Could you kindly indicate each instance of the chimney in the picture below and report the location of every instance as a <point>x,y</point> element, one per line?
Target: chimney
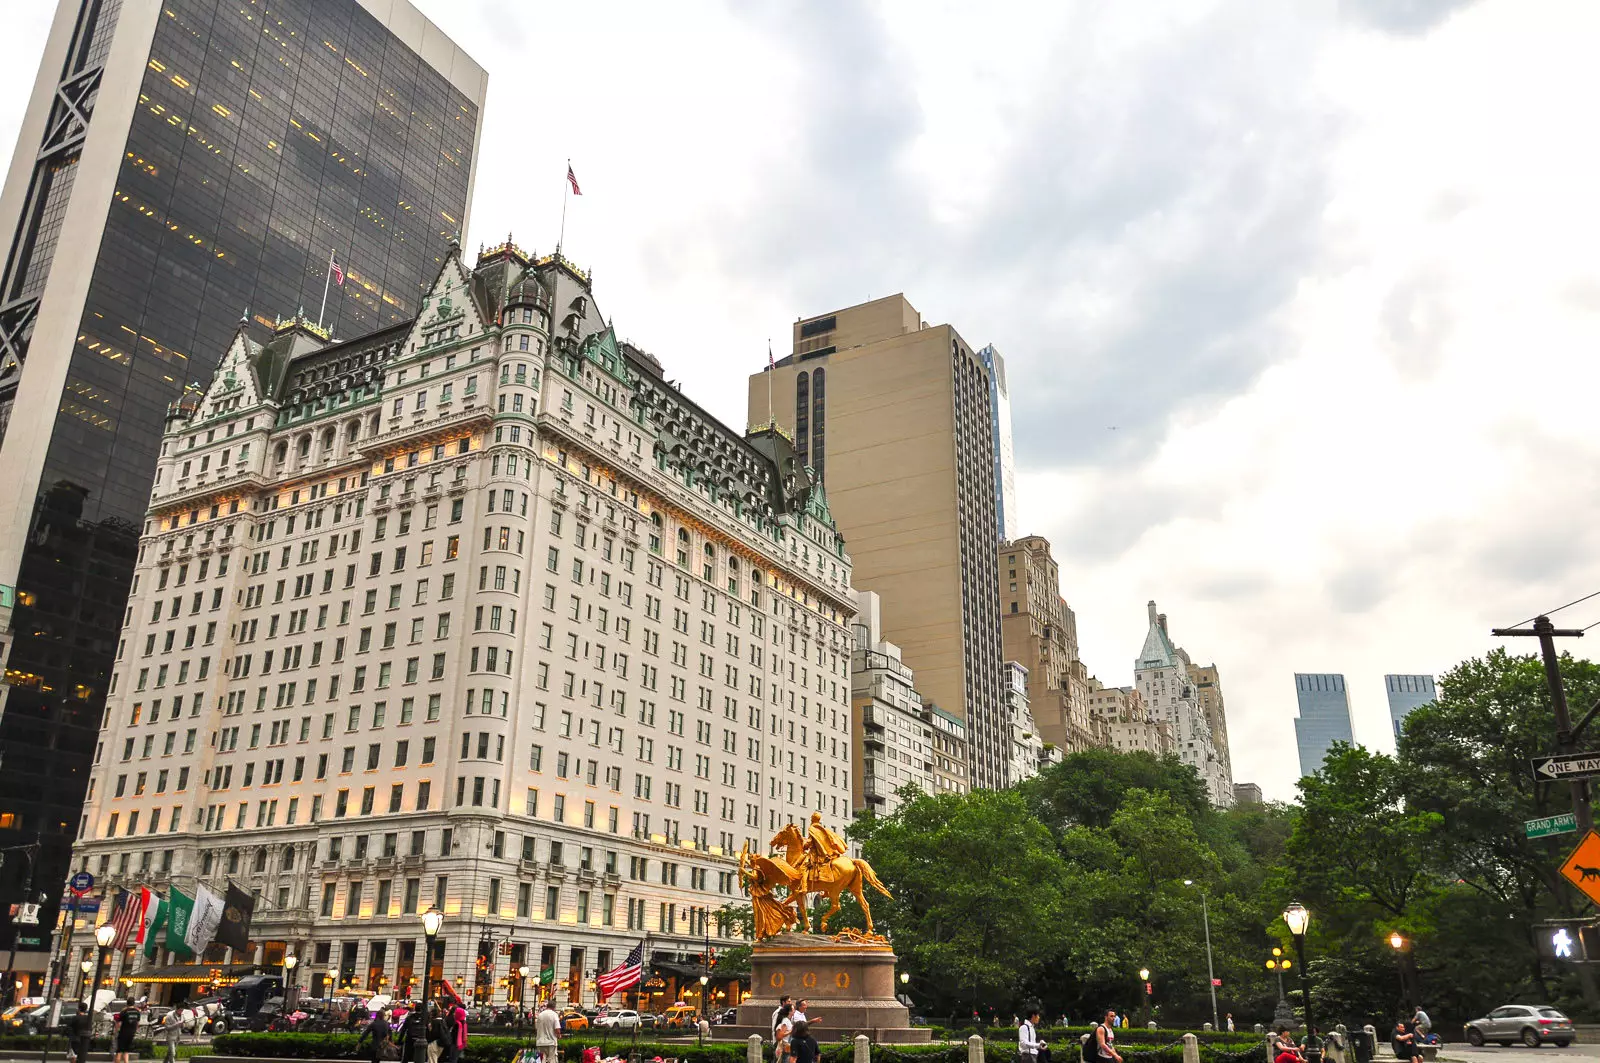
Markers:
<point>1162,620</point>
<point>1150,607</point>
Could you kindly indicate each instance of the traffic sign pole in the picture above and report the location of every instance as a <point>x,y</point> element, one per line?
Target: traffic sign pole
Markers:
<point>1546,633</point>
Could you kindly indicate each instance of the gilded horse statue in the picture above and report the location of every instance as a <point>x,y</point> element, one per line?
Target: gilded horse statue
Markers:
<point>801,873</point>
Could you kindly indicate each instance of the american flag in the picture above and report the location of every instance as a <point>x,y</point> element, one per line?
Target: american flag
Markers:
<point>128,918</point>
<point>572,179</point>
<point>628,973</point>
<point>337,271</point>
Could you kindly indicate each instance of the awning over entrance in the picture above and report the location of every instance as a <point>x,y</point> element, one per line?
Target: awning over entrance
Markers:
<point>192,974</point>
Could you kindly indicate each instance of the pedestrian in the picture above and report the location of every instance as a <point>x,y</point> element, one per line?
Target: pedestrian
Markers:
<point>1227,1022</point>
<point>436,1037</point>
<point>1105,1041</point>
<point>1028,1037</point>
<point>172,1029</point>
<point>1421,1024</point>
<point>703,1027</point>
<point>127,1027</point>
<point>802,1044</point>
<point>1403,1041</point>
<point>802,1013</point>
<point>780,1035</point>
<point>1284,1050</point>
<point>458,1031</point>
<point>375,1035</point>
<point>783,1002</point>
<point>547,1033</point>
<point>79,1027</point>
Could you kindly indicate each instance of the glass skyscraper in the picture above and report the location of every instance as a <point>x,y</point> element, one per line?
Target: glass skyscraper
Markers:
<point>1407,692</point>
<point>1324,718</point>
<point>183,165</point>
<point>1005,461</point>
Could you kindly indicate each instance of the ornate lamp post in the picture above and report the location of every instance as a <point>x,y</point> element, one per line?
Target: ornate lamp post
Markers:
<point>1297,918</point>
<point>1398,942</point>
<point>290,960</point>
<point>85,966</point>
<point>1149,991</point>
<point>432,920</point>
<point>1283,1014</point>
<point>333,981</point>
<point>104,935</point>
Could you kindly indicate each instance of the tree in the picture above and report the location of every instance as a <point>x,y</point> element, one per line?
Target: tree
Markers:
<point>1086,788</point>
<point>977,884</point>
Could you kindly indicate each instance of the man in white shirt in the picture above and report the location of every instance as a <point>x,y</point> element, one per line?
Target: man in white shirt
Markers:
<point>1028,1036</point>
<point>547,1032</point>
<point>773,1025</point>
<point>799,1015</point>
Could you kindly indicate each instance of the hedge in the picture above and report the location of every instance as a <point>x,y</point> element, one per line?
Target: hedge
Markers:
<point>1234,1048</point>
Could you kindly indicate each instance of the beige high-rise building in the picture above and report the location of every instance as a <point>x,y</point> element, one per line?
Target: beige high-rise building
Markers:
<point>1039,631</point>
<point>478,612</point>
<point>891,734</point>
<point>1208,691</point>
<point>894,416</point>
<point>1120,716</point>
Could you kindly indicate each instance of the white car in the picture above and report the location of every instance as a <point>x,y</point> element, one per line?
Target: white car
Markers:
<point>625,1019</point>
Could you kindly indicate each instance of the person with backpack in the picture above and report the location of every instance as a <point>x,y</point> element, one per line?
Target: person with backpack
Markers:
<point>1100,1043</point>
<point>802,1045</point>
<point>1028,1037</point>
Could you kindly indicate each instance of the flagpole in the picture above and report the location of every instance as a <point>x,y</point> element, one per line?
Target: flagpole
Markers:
<point>566,187</point>
<point>327,278</point>
<point>771,365</point>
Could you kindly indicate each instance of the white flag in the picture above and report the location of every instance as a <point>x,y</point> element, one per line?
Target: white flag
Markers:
<point>205,920</point>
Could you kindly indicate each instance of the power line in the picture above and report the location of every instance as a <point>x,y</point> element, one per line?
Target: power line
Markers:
<point>1558,609</point>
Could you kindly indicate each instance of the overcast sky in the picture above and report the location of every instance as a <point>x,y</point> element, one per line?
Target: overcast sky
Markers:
<point>1300,301</point>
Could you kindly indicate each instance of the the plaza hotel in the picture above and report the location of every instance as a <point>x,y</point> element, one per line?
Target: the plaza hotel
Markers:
<point>479,612</point>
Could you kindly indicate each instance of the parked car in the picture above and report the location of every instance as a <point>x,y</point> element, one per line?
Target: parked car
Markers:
<point>1532,1024</point>
<point>726,1017</point>
<point>623,1019</point>
<point>573,1019</point>
<point>36,1020</point>
<point>649,1020</point>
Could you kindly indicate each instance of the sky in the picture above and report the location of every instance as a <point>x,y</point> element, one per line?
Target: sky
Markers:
<point>1295,298</point>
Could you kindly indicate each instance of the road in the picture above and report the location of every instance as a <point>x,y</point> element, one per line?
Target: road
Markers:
<point>1547,1054</point>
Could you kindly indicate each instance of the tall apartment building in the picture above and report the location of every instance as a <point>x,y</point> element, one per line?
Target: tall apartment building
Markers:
<point>1246,793</point>
<point>1121,717</point>
<point>1324,717</point>
<point>1407,692</point>
<point>477,612</point>
<point>1005,460</point>
<point>181,161</point>
<point>1208,692</point>
<point>1168,689</point>
<point>894,416</point>
<point>951,756</point>
<point>1039,630</point>
<point>1029,752</point>
<point>892,736</point>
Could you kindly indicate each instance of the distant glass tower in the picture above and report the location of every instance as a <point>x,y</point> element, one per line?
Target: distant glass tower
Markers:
<point>181,164</point>
<point>1407,692</point>
<point>1324,718</point>
<point>1005,462</point>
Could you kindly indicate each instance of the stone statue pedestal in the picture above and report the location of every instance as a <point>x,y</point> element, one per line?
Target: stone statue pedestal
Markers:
<point>850,984</point>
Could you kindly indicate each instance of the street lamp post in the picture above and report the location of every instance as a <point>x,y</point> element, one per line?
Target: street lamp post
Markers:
<point>333,981</point>
<point>1283,1014</point>
<point>290,961</point>
<point>104,935</point>
<point>700,1036</point>
<point>1297,918</point>
<point>1211,974</point>
<point>1144,976</point>
<point>1408,968</point>
<point>432,920</point>
<point>85,966</point>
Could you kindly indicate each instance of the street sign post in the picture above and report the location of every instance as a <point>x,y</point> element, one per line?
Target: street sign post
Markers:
<point>81,883</point>
<point>1567,766</point>
<point>1566,823</point>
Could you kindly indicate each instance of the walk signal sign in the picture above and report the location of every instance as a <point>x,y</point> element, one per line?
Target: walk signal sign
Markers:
<point>1582,868</point>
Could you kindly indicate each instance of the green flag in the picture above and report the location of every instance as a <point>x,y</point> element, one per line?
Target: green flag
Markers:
<point>155,919</point>
<point>179,909</point>
<point>547,976</point>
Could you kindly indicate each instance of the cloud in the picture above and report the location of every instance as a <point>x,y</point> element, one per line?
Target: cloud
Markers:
<point>1402,16</point>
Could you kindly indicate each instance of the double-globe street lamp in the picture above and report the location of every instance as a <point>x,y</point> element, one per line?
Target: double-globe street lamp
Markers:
<point>1297,918</point>
<point>1283,1014</point>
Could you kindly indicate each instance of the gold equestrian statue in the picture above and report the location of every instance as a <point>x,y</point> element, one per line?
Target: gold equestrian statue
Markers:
<point>811,863</point>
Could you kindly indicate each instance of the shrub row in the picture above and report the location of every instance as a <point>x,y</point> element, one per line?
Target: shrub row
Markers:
<point>489,1049</point>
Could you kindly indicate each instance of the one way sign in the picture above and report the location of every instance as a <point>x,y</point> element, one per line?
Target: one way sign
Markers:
<point>1567,766</point>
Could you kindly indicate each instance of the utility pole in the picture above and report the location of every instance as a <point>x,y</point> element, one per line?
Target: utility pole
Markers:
<point>1566,734</point>
<point>1566,737</point>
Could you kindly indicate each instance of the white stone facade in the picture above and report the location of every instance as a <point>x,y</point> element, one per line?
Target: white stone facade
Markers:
<point>894,738</point>
<point>479,612</point>
<point>1162,677</point>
